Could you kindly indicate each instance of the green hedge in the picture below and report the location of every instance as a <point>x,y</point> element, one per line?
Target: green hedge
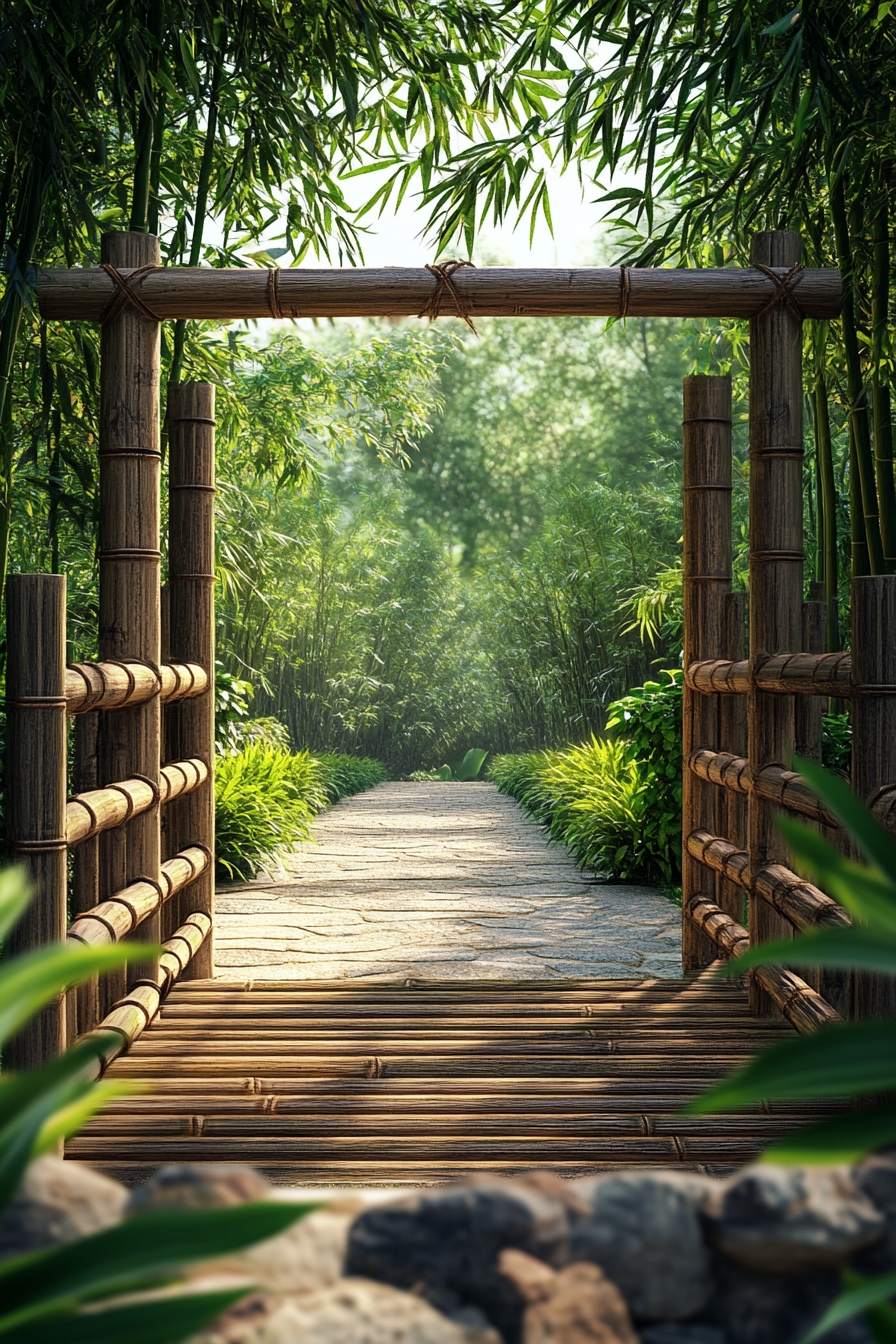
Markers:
<point>266,798</point>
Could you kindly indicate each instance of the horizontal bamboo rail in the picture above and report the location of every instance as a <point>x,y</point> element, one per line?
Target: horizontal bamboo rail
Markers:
<point>406,291</point>
<point>137,1009</point>
<point>787,673</point>
<point>804,1009</point>
<point>87,814</point>
<point>114,919</point>
<point>114,685</point>
<point>773,782</point>
<point>797,900</point>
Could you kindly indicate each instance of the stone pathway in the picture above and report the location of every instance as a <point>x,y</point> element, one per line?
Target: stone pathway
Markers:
<point>445,881</point>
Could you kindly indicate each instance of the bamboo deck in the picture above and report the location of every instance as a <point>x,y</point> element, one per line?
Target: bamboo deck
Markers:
<point>329,1083</point>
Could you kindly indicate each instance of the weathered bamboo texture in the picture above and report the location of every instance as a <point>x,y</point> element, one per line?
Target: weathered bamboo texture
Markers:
<point>809,710</point>
<point>133,1013</point>
<point>773,784</point>
<point>732,807</point>
<point>35,786</point>
<point>106,809</point>
<point>111,920</point>
<point>707,582</point>
<point>776,562</point>
<point>129,566</point>
<point>84,1003</point>
<point>874,737</point>
<point>405,291</point>
<point>190,725</point>
<point>90,686</point>
<point>824,674</point>
<point>803,1007</point>
<point>797,900</point>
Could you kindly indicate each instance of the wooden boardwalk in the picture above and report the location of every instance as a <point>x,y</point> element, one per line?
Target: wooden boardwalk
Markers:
<point>396,1033</point>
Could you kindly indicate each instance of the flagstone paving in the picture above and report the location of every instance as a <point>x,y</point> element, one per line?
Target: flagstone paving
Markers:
<point>446,881</point>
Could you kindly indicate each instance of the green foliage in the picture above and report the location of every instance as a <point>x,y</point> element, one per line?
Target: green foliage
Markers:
<point>468,769</point>
<point>232,696</point>
<point>836,742</point>
<point>266,797</point>
<point>843,1059</point>
<point>593,799</point>
<point>61,1294</point>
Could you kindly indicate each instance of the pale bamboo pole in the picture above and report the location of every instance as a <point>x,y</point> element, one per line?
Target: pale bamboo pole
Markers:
<point>776,562</point>
<point>874,733</point>
<point>129,562</point>
<point>707,581</point>
<point>35,786</point>
<point>190,724</point>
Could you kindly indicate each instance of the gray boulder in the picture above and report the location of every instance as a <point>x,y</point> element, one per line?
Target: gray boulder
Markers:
<point>644,1231</point>
<point>753,1308</point>
<point>199,1185</point>
<point>445,1244</point>
<point>791,1220</point>
<point>58,1202</point>
<point>876,1178</point>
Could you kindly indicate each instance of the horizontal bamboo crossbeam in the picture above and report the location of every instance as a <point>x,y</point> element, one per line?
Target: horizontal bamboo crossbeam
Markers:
<point>114,919</point>
<point>88,814</point>
<point>787,673</point>
<point>773,782</point>
<point>804,1009</point>
<point>114,685</point>
<point>405,291</point>
<point>797,900</point>
<point>133,1013</point>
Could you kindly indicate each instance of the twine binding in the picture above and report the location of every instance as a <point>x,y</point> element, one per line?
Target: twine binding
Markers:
<point>126,293</point>
<point>785,285</point>
<point>444,275</point>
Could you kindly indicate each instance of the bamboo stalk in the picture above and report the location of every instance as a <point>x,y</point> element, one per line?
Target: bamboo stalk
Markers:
<point>110,921</point>
<point>90,686</point>
<point>35,787</point>
<point>874,736</point>
<point>829,498</point>
<point>773,784</point>
<point>106,809</point>
<point>190,725</point>
<point>825,674</point>
<point>404,291</point>
<point>129,563</point>
<point>880,389</point>
<point>808,710</point>
<point>776,561</point>
<point>707,582</point>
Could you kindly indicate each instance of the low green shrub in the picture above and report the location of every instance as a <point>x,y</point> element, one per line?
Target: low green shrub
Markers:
<point>267,796</point>
<point>345,775</point>
<point>592,798</point>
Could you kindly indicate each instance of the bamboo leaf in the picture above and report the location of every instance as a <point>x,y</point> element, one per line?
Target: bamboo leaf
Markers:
<point>165,1321</point>
<point>845,1138</point>
<point>857,947</point>
<point>32,981</point>
<point>850,1303</point>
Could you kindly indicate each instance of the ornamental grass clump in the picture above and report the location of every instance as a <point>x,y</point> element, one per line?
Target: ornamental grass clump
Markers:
<point>344,775</point>
<point>265,799</point>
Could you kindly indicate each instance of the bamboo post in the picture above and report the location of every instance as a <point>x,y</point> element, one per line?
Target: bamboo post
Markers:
<point>190,724</point>
<point>874,732</point>
<point>129,562</point>
<point>733,738</point>
<point>707,579</point>
<point>36,786</point>
<point>776,560</point>
<point>84,1002</point>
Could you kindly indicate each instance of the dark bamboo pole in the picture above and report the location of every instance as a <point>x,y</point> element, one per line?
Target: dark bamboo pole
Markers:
<point>84,1002</point>
<point>707,581</point>
<point>828,488</point>
<point>776,561</point>
<point>129,561</point>
<point>733,738</point>
<point>190,724</point>
<point>874,732</point>
<point>35,786</point>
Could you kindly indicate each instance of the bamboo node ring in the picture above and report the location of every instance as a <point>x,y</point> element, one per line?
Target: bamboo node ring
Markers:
<point>444,276</point>
<point>37,702</point>
<point>273,296</point>
<point>39,846</point>
<point>126,294</point>
<point>625,292</point>
<point>784,289</point>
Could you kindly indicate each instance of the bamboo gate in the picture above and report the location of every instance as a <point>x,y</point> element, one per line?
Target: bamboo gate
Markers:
<point>138,835</point>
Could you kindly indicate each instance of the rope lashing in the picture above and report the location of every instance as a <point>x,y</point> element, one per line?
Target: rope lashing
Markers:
<point>625,292</point>
<point>444,273</point>
<point>785,286</point>
<point>126,294</point>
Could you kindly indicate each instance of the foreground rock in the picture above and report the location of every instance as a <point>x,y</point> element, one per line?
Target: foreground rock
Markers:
<point>577,1305</point>
<point>353,1311</point>
<point>58,1202</point>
